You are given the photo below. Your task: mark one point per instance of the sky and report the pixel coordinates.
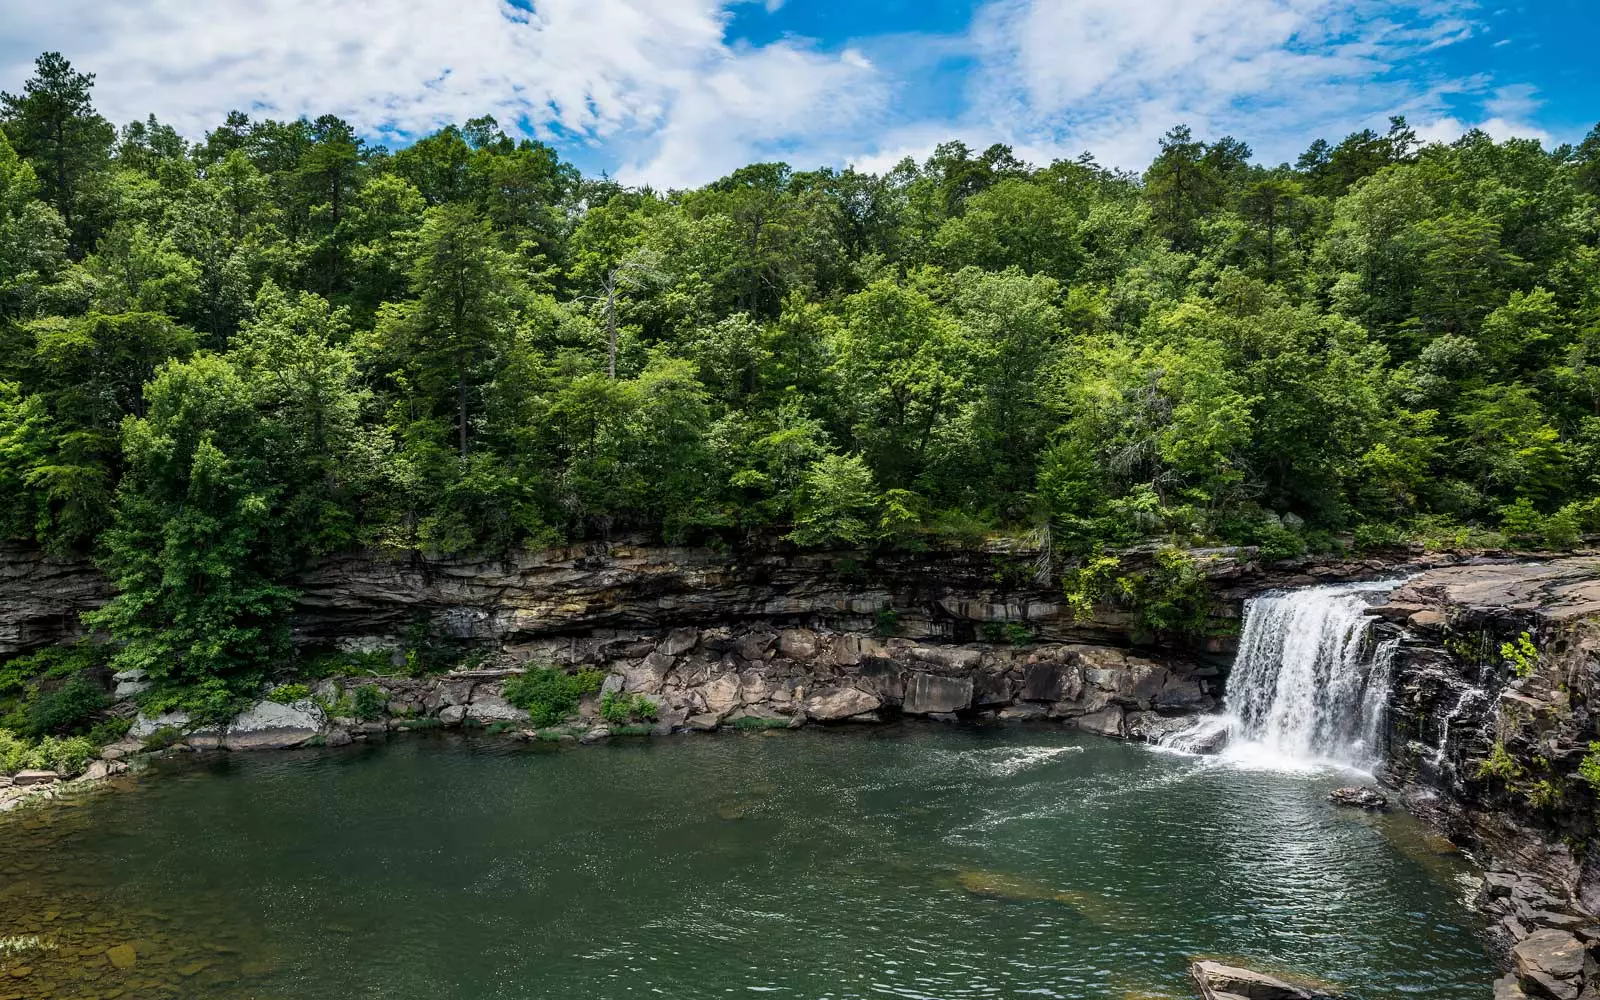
(676, 93)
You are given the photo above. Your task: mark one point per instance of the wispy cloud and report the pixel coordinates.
(658, 89)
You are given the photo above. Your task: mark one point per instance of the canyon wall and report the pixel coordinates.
(1492, 714)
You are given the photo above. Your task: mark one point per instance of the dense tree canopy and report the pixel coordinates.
(224, 357)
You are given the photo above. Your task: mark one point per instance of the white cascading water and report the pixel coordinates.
(1309, 684)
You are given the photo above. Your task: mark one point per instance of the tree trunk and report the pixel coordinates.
(461, 401)
(611, 331)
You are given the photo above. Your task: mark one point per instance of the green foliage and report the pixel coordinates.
(224, 359)
(1500, 764)
(1521, 655)
(1089, 584)
(285, 694)
(619, 708)
(550, 695)
(369, 702)
(67, 755)
(1589, 767)
(1171, 597)
(886, 621)
(69, 708)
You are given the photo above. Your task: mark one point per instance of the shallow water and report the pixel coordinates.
(908, 861)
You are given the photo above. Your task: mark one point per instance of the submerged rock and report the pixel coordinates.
(1359, 797)
(1229, 982)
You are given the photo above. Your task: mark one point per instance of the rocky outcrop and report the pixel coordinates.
(42, 597)
(1492, 714)
(953, 594)
(1217, 981)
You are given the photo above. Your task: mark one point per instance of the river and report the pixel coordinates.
(912, 860)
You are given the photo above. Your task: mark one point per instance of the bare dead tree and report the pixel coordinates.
(638, 271)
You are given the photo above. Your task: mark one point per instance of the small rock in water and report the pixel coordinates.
(122, 956)
(1359, 797)
(1227, 982)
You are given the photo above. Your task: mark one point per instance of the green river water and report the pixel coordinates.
(913, 861)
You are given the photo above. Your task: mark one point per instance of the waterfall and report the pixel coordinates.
(1309, 684)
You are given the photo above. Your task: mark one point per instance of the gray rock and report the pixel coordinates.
(268, 725)
(452, 715)
(1227, 982)
(1550, 961)
(1042, 682)
(23, 779)
(613, 684)
(339, 738)
(949, 657)
(1507, 988)
(1106, 722)
(595, 735)
(797, 644)
(1024, 711)
(679, 641)
(1359, 797)
(148, 725)
(840, 703)
(489, 707)
(927, 694)
(129, 683)
(97, 770)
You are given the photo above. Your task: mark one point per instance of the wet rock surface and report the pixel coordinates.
(1217, 981)
(1359, 797)
(1492, 712)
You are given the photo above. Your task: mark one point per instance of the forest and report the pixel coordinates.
(225, 358)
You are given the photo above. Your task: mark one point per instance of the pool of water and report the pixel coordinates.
(912, 861)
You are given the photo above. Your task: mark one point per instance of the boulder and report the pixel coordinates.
(129, 683)
(949, 657)
(927, 694)
(1359, 797)
(679, 641)
(839, 703)
(1042, 682)
(1181, 694)
(596, 735)
(1227, 982)
(34, 777)
(268, 725)
(97, 770)
(339, 738)
(148, 725)
(489, 706)
(1550, 963)
(1507, 988)
(1106, 722)
(649, 674)
(722, 694)
(122, 956)
(452, 715)
(797, 643)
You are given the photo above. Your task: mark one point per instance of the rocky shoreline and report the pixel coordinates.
(1485, 748)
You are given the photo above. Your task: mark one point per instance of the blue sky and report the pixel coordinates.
(679, 92)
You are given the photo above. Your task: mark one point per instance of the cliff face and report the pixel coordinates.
(41, 598)
(1487, 734)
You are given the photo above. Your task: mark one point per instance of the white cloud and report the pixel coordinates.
(1111, 76)
(657, 87)
(603, 70)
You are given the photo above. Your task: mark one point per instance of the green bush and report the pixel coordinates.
(369, 702)
(1589, 768)
(1018, 634)
(1522, 656)
(67, 709)
(14, 751)
(1500, 764)
(619, 708)
(887, 621)
(67, 756)
(285, 694)
(549, 695)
